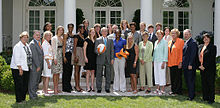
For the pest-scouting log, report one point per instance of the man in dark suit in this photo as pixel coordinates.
(104, 59)
(152, 37)
(189, 62)
(37, 64)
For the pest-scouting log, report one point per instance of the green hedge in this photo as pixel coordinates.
(198, 81)
(6, 79)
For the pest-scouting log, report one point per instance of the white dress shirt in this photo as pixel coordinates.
(19, 56)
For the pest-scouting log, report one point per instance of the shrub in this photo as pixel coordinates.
(7, 82)
(137, 18)
(7, 55)
(6, 79)
(79, 17)
(199, 38)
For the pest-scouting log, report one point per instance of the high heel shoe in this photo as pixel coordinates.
(80, 90)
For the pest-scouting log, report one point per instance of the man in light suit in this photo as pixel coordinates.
(104, 59)
(189, 62)
(37, 64)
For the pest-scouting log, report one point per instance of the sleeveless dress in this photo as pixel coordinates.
(130, 61)
(91, 55)
(56, 69)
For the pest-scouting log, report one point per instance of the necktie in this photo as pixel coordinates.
(149, 37)
(39, 45)
(105, 41)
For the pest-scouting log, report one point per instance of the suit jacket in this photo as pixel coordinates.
(37, 55)
(176, 55)
(190, 50)
(153, 39)
(209, 57)
(108, 54)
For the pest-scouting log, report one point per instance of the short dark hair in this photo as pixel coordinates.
(70, 24)
(132, 23)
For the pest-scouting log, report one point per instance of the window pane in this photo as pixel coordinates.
(112, 20)
(112, 13)
(180, 21)
(171, 15)
(165, 21)
(97, 13)
(103, 21)
(165, 14)
(103, 14)
(180, 14)
(186, 21)
(118, 20)
(186, 14)
(37, 20)
(118, 14)
(171, 21)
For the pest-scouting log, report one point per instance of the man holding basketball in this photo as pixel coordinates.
(106, 59)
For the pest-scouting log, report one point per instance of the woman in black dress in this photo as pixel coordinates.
(131, 61)
(207, 58)
(78, 57)
(90, 58)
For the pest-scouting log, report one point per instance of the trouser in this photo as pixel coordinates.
(33, 83)
(21, 84)
(208, 85)
(189, 76)
(146, 71)
(67, 73)
(176, 79)
(112, 72)
(99, 76)
(119, 78)
(159, 74)
(168, 75)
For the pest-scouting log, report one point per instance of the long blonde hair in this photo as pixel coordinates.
(89, 36)
(132, 41)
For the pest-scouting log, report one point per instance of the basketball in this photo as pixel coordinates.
(101, 48)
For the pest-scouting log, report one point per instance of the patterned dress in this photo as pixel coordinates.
(58, 55)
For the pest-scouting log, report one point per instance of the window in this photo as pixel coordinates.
(176, 14)
(108, 11)
(40, 12)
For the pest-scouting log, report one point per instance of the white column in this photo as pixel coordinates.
(1, 45)
(69, 13)
(146, 11)
(217, 26)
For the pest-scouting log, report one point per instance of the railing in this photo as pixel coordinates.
(7, 42)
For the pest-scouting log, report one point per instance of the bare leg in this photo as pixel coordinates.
(58, 77)
(87, 79)
(76, 74)
(92, 78)
(47, 84)
(55, 83)
(44, 84)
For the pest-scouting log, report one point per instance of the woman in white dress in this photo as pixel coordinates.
(48, 57)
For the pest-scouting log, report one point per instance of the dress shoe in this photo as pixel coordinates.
(98, 91)
(190, 99)
(107, 91)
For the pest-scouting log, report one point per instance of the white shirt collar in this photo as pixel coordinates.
(188, 40)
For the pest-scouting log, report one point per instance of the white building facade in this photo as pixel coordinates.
(21, 15)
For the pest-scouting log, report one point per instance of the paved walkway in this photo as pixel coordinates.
(103, 93)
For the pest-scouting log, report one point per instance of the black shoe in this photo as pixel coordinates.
(190, 99)
(99, 91)
(107, 91)
(112, 82)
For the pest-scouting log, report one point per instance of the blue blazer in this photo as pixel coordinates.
(190, 52)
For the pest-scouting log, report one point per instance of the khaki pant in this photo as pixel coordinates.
(146, 71)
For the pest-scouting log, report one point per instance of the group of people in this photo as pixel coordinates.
(157, 57)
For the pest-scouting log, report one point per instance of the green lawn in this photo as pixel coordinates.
(8, 100)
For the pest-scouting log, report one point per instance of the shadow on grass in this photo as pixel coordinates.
(42, 101)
